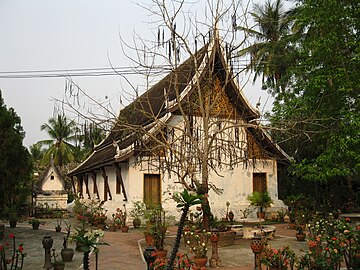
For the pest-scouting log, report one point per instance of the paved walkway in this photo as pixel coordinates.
(125, 249)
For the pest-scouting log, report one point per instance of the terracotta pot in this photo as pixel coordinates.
(67, 254)
(161, 253)
(149, 239)
(261, 215)
(214, 237)
(125, 229)
(257, 245)
(200, 261)
(112, 228)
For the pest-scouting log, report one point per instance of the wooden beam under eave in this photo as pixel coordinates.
(107, 190)
(81, 180)
(96, 190)
(118, 174)
(87, 186)
(73, 185)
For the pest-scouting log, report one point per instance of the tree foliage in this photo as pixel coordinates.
(321, 106)
(270, 52)
(15, 161)
(62, 132)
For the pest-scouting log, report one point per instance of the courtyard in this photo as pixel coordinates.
(125, 249)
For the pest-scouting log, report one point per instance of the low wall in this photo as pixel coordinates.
(55, 201)
(226, 238)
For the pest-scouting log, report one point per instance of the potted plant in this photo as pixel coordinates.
(197, 241)
(281, 214)
(99, 220)
(231, 216)
(35, 223)
(89, 241)
(58, 265)
(300, 235)
(58, 221)
(278, 258)
(262, 200)
(123, 218)
(157, 223)
(113, 221)
(67, 253)
(137, 213)
(13, 216)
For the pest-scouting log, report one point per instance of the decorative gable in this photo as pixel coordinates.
(52, 181)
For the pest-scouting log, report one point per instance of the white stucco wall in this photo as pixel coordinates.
(52, 182)
(236, 183)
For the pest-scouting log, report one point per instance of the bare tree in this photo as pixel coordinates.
(194, 122)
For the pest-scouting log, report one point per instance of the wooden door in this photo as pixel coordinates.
(152, 190)
(259, 182)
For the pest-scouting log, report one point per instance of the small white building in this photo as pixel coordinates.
(50, 192)
(119, 170)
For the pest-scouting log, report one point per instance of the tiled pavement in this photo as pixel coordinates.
(124, 250)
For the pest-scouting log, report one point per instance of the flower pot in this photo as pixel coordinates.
(58, 229)
(58, 265)
(261, 215)
(12, 223)
(101, 226)
(112, 228)
(231, 216)
(79, 246)
(35, 226)
(200, 261)
(125, 229)
(67, 254)
(300, 236)
(149, 239)
(161, 253)
(136, 223)
(257, 245)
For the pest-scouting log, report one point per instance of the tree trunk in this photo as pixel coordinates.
(86, 260)
(178, 237)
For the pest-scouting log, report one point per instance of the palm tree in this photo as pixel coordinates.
(270, 52)
(61, 130)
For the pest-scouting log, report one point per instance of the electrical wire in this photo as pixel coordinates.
(90, 72)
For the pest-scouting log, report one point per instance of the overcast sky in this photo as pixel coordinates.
(42, 35)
